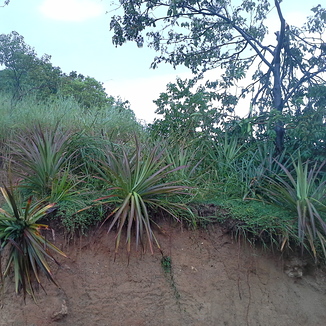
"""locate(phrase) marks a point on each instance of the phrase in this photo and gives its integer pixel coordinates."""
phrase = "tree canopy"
(234, 36)
(25, 73)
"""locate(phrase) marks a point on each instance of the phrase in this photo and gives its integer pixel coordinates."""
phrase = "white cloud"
(71, 10)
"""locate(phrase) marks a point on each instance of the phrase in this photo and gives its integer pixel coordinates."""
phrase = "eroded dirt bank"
(214, 281)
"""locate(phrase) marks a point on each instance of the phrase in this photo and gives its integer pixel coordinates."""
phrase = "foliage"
(303, 191)
(19, 60)
(87, 91)
(187, 113)
(306, 129)
(137, 184)
(259, 162)
(40, 156)
(28, 249)
(225, 156)
(116, 120)
(76, 220)
(118, 123)
(166, 263)
(65, 187)
(222, 155)
(26, 74)
(204, 35)
(258, 222)
(186, 155)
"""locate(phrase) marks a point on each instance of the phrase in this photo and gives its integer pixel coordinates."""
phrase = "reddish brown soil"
(214, 281)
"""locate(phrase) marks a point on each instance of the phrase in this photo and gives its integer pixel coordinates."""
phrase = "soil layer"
(206, 279)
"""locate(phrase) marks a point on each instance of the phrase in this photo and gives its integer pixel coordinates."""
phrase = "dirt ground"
(213, 281)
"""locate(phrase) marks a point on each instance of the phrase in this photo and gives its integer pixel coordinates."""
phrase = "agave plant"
(178, 154)
(257, 164)
(40, 156)
(28, 250)
(303, 190)
(226, 154)
(137, 184)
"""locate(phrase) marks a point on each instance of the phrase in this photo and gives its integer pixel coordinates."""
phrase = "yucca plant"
(225, 152)
(39, 157)
(136, 184)
(225, 155)
(66, 188)
(302, 190)
(257, 164)
(178, 154)
(28, 250)
(82, 148)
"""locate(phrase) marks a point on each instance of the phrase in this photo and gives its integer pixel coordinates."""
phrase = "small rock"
(294, 267)
(56, 316)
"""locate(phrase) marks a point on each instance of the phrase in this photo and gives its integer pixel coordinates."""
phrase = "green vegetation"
(109, 169)
(83, 156)
(303, 191)
(282, 73)
(27, 74)
(259, 223)
(39, 157)
(137, 182)
(28, 249)
(166, 263)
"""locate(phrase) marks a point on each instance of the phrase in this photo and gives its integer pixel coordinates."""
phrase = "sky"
(76, 34)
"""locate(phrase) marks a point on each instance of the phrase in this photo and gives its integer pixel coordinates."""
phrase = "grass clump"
(257, 222)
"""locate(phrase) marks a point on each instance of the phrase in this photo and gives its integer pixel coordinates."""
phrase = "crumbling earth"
(208, 280)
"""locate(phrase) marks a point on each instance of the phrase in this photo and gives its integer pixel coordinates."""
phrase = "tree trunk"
(278, 105)
(277, 88)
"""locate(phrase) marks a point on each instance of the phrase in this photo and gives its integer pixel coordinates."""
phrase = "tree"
(87, 91)
(188, 113)
(204, 35)
(24, 71)
(307, 129)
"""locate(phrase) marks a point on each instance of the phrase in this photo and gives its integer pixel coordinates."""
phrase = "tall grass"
(30, 112)
(66, 111)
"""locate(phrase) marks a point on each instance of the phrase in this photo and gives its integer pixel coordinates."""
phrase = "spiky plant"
(136, 183)
(28, 249)
(303, 190)
(181, 155)
(224, 155)
(66, 188)
(40, 156)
